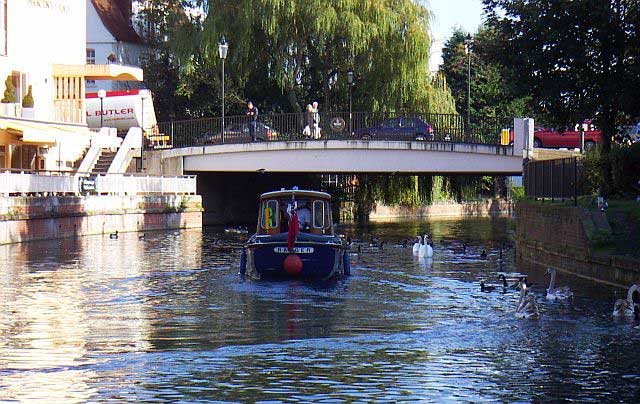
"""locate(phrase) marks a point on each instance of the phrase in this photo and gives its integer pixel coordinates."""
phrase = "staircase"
(104, 162)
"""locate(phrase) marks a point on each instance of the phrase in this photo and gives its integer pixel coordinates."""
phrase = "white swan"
(416, 246)
(425, 251)
(561, 293)
(625, 307)
(527, 306)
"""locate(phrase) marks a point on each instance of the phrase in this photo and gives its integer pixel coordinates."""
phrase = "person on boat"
(304, 215)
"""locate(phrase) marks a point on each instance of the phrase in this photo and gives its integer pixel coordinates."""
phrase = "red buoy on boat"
(293, 264)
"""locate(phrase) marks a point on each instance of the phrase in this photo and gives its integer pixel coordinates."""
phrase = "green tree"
(291, 52)
(492, 92)
(578, 59)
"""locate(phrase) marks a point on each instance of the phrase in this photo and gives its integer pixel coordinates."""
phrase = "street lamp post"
(143, 96)
(223, 48)
(467, 50)
(101, 95)
(350, 81)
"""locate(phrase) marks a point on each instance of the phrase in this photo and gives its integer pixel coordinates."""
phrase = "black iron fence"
(339, 126)
(559, 179)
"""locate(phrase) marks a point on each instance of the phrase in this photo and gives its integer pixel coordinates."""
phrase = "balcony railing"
(23, 182)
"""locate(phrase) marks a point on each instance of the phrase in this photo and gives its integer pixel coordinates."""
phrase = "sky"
(447, 14)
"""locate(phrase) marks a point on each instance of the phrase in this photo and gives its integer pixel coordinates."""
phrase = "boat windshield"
(314, 215)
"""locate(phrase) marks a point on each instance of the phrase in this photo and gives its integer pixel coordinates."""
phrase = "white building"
(111, 38)
(43, 46)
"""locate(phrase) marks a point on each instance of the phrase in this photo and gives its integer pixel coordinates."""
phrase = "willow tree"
(305, 47)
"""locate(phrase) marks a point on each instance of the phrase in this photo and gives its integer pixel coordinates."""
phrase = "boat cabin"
(313, 208)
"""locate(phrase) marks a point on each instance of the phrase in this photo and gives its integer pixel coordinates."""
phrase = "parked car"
(239, 131)
(263, 132)
(631, 134)
(397, 128)
(551, 138)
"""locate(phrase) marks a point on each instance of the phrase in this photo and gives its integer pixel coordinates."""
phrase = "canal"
(167, 318)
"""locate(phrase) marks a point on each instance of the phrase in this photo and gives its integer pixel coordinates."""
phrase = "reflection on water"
(167, 317)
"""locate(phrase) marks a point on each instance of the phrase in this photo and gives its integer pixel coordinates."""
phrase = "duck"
(375, 242)
(378, 246)
(487, 288)
(483, 254)
(142, 236)
(113, 235)
(513, 286)
(416, 245)
(528, 306)
(237, 230)
(627, 307)
(553, 293)
(404, 244)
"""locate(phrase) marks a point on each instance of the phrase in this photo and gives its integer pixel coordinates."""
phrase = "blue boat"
(295, 238)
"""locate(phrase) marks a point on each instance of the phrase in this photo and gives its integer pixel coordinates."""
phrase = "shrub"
(9, 95)
(625, 169)
(601, 238)
(27, 101)
(517, 193)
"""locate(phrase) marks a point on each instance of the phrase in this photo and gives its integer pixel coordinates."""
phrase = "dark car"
(239, 132)
(400, 128)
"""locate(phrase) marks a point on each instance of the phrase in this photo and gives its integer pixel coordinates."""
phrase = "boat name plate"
(297, 250)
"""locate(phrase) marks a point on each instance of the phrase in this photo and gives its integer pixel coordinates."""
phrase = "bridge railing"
(408, 126)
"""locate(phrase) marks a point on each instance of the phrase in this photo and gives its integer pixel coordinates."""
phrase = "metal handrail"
(335, 126)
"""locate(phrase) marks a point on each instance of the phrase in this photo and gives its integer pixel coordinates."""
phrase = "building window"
(91, 56)
(91, 60)
(20, 84)
(3, 27)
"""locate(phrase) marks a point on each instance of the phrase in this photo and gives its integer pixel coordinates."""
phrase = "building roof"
(116, 21)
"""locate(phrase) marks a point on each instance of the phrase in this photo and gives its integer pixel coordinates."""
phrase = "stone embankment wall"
(452, 210)
(560, 237)
(40, 218)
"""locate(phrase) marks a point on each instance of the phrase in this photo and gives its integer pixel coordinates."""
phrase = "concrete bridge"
(349, 156)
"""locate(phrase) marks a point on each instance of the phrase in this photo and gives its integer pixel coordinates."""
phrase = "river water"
(167, 318)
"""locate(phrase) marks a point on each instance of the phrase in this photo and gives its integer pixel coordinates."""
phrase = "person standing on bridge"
(252, 113)
(316, 120)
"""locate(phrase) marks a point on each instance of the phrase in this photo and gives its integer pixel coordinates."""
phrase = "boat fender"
(346, 262)
(243, 262)
(293, 264)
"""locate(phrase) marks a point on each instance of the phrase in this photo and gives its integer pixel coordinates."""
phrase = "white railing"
(25, 183)
(122, 184)
(121, 161)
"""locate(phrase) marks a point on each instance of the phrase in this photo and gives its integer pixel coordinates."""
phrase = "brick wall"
(558, 236)
(27, 219)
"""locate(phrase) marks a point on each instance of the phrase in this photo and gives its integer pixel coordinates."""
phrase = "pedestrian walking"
(252, 114)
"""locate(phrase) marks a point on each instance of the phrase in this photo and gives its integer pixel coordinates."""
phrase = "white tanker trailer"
(122, 110)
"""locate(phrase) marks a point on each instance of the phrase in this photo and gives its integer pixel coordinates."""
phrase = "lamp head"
(223, 48)
(350, 76)
(102, 94)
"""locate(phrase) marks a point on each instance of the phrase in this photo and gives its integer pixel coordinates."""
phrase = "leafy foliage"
(283, 54)
(492, 90)
(578, 59)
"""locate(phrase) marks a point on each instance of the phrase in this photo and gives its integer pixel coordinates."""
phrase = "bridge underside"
(351, 157)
